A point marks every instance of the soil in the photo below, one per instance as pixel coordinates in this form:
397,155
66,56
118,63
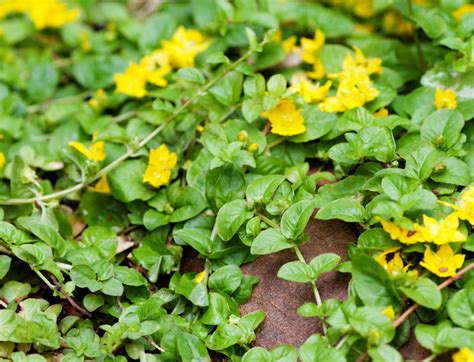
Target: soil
280,299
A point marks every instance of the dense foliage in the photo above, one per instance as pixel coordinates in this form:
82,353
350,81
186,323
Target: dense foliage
222,126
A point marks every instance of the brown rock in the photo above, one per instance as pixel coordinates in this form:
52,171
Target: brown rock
280,298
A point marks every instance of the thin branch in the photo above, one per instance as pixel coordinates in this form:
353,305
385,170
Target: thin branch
154,344
443,285
69,298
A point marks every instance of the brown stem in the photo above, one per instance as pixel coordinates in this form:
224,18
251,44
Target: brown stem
154,344
443,285
69,298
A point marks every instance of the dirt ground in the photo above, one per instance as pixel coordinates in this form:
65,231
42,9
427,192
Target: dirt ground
280,299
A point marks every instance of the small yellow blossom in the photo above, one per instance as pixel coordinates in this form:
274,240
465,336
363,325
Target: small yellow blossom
95,153
463,10
101,186
160,164
393,23
389,312
395,265
242,136
310,47
200,128
365,28
442,232
382,112
253,147
445,99
153,74
464,208
463,355
200,277
285,119
84,41
311,92
184,46
288,44
318,70
363,8
2,160
355,86
133,81
405,236
43,13
443,263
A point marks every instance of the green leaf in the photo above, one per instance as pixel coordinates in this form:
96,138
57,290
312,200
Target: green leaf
296,271
43,81
424,292
324,263
220,308
191,75
13,289
257,354
442,128
226,279
346,208
276,84
269,241
454,171
126,181
318,124
129,276
385,352
231,217
262,189
295,218
196,239
461,307
316,349
227,90
5,262
373,325
156,28
191,348
112,287
372,283
85,277
93,301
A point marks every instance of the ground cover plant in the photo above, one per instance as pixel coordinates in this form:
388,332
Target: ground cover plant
130,131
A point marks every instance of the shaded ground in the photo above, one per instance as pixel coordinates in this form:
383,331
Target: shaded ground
280,299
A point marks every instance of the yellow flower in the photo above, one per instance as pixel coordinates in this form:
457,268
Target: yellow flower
445,99
395,265
463,10
184,46
311,92
133,81
160,164
318,70
393,23
382,112
200,277
95,153
285,119
332,104
464,208
253,147
242,136
463,355
405,236
51,13
355,87
102,186
310,47
2,160
443,232
389,312
364,8
153,74
443,263
288,44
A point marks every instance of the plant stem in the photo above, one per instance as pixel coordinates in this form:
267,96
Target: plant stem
443,285
317,296
154,344
419,51
201,91
124,116
268,221
276,142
